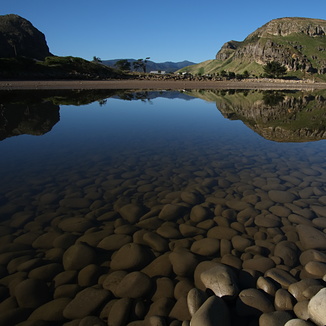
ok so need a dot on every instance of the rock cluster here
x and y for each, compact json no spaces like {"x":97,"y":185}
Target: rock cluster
{"x":182,"y":246}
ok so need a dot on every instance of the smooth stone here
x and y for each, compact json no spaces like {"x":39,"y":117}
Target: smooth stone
{"x":280,"y":211}
{"x":46,"y":272}
{"x":298,"y":322}
{"x":131,"y":212}
{"x":267,"y":221}
{"x":134,"y":285}
{"x":183,"y":261}
{"x":51,"y":311}
{"x":232,"y":261}
{"x":217,"y":277}
{"x":297,"y":289}
{"x":89,"y":275}
{"x":164,"y":288}
{"x":320,"y":222}
{"x":288,"y":252}
{"x":301,"y":309}
{"x":213,"y":312}
{"x":114,"y":242}
{"x":280,"y":196}
{"x":311,"y":291}
{"x":319,"y":210}
{"x":75,"y":224}
{"x":317,"y":308}
{"x":66,"y":291}
{"x":180,"y":310}
{"x":311,"y":238}
{"x":161,"y":307}
{"x":312,"y":255}
{"x":283,"y":300}
{"x":195,"y":299}
{"x":65,"y":277}
{"x":13,"y":317}
{"x":85,"y":303}
{"x":171,"y":212}
{"x":151,"y":223}
{"x":169,"y":230}
{"x":281,"y":276}
{"x":64,"y":241}
{"x":253,"y":302}
{"x":92,"y":321}
{"x":156,"y":242}
{"x":275,"y":318}
{"x":259,"y":263}
{"x":316,"y":268}
{"x":206,"y":247}
{"x":237,"y":205}
{"x":112,"y":281}
{"x":199,"y":213}
{"x":93,"y":236}
{"x":191,"y":198}
{"x":131,"y":256}
{"x":160,"y":266}
{"x":119,"y":313}
{"x":75,"y":202}
{"x":32,"y":293}
{"x":190,"y":231}
{"x":267,"y":285}
{"x":183,"y":287}
{"x":240,"y":243}
{"x":78,"y":256}
{"x":221,"y":232}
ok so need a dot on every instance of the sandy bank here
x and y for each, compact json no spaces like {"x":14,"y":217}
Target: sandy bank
{"x":160,"y":84}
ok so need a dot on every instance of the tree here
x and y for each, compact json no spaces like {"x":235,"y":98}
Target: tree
{"x":123,"y":64}
{"x":274,"y":69}
{"x":140,"y":63}
{"x":96,"y":59}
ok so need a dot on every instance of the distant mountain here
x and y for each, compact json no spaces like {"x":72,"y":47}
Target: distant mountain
{"x":153,"y":66}
{"x":18,"y":37}
{"x":297,"y":43}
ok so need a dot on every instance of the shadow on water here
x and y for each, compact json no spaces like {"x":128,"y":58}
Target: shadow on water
{"x":292,"y":116}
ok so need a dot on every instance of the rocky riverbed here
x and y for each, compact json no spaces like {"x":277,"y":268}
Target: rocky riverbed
{"x":201,"y":237}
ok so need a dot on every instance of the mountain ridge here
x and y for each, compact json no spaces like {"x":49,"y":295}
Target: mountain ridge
{"x":167,"y":66}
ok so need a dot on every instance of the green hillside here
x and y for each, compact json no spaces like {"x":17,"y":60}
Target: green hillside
{"x":297,"y":43}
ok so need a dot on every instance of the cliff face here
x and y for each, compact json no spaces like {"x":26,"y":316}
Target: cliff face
{"x":297,"y":43}
{"x":19,"y":38}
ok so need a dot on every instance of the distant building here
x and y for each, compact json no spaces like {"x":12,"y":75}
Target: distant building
{"x":158,"y":72}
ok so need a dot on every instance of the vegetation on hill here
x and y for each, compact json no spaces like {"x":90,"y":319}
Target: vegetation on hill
{"x":299,"y":44}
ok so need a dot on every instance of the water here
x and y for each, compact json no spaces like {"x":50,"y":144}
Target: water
{"x":151,"y":151}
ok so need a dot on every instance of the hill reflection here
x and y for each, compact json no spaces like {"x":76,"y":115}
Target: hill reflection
{"x":293,"y":116}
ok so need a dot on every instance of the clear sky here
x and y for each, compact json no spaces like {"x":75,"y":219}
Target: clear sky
{"x":170,"y":30}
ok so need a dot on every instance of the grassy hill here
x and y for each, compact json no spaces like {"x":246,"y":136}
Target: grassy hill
{"x":297,"y":43}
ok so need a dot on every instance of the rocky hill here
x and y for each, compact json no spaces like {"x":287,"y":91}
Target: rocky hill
{"x":19,"y":38}
{"x":297,"y":43}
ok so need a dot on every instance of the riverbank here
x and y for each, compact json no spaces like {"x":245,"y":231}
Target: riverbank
{"x":268,"y":84}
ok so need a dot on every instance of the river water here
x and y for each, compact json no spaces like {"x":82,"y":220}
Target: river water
{"x":77,"y":168}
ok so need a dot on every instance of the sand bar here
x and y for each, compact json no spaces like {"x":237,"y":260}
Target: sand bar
{"x":161,"y":84}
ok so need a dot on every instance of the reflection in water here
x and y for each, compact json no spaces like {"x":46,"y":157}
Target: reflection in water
{"x":147,"y":210}
{"x":279,"y":116}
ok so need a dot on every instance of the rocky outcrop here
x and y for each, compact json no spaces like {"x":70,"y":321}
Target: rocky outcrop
{"x":294,"y":42}
{"x":19,"y":38}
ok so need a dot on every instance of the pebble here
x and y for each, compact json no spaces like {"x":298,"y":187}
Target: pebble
{"x":195,"y":299}
{"x":297,"y":289}
{"x":183,"y":261}
{"x":281,"y":277}
{"x":212,"y":312}
{"x":131,"y":256}
{"x":311,"y":238}
{"x":85,"y":303}
{"x":283,"y":300}
{"x":206,"y":247}
{"x":114,"y":242}
{"x":288,"y":252}
{"x":134,"y":285}
{"x":253,"y":302}
{"x":217,"y":277}
{"x":317,"y":308}
{"x":279,"y":196}
{"x":119,"y":313}
{"x":275,"y":318}
{"x":78,"y":256}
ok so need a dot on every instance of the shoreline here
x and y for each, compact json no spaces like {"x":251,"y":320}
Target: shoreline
{"x":160,"y":84}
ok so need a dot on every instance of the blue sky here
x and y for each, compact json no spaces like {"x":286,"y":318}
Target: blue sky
{"x":170,"y":30}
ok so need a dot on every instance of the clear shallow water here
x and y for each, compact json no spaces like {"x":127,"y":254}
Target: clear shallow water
{"x":147,"y":153}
